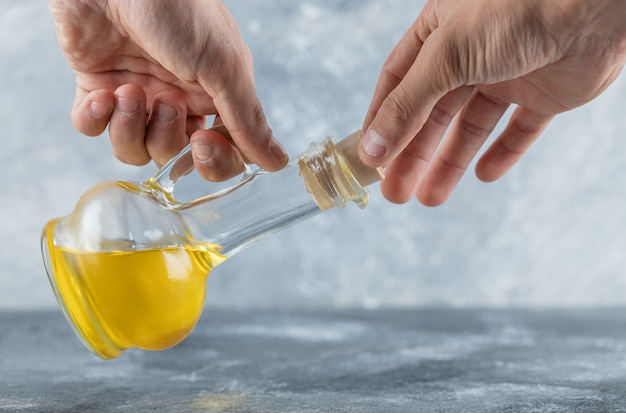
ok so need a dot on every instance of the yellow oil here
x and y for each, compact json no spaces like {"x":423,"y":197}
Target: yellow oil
{"x":148,"y":299}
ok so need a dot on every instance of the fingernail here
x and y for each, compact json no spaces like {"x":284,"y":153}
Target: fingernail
{"x":203,"y":153}
{"x":99,"y":110}
{"x":277,"y":149}
{"x":373,"y":144}
{"x":165,"y":113}
{"x":127,"y":106}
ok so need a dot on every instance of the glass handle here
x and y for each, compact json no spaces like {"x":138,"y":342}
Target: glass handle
{"x":180,"y":165}
{"x":177,"y":167}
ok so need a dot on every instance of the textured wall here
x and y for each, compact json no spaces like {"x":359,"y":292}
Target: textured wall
{"x":548,"y":234}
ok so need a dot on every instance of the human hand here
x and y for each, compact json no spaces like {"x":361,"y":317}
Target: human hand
{"x":470,"y":60}
{"x":152,"y":70}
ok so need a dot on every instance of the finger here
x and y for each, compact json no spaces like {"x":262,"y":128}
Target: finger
{"x":472,"y":127}
{"x":248,"y":127}
{"x":394,"y":70}
{"x":166,"y":130}
{"x":194,"y":123}
{"x":522,"y":131}
{"x":241,"y":111}
{"x":407,"y":107}
{"x":91,"y":111}
{"x":399,"y":62}
{"x":127,"y":126}
{"x":214,"y":157}
{"x":404,"y":172}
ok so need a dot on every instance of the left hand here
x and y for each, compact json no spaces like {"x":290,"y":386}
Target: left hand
{"x":471,"y":59}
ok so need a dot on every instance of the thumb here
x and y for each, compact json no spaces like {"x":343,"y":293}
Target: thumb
{"x":407,"y":107}
{"x":240,"y":110}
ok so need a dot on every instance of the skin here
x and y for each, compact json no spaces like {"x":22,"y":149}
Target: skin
{"x":151,"y":70}
{"x":459,"y":68}
{"x":441,"y":92}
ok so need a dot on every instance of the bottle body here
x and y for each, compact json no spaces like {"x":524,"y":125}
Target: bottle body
{"x":129,"y":265}
{"x":147,"y":298}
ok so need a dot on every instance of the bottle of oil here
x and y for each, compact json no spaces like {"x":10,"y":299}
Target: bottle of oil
{"x":129,"y":265}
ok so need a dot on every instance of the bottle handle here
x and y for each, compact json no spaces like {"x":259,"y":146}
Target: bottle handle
{"x":180,"y":165}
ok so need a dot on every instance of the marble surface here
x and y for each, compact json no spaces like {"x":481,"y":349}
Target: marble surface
{"x":329,"y":361}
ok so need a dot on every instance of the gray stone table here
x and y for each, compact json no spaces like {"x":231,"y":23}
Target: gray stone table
{"x":329,"y":361}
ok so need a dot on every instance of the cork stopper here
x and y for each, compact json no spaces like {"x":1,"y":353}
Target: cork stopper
{"x":348,"y":148}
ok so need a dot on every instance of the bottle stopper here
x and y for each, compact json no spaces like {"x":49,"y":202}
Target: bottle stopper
{"x":348,"y":148}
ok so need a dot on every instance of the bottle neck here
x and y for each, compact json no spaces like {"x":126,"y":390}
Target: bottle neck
{"x":263,"y":203}
{"x":260,"y":205}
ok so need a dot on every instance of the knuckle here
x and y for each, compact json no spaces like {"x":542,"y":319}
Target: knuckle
{"x":252,"y":126}
{"x":440,"y":116}
{"x":396,"y":107}
{"x":131,"y":158}
{"x":473,"y":130}
{"x":258,"y":115}
{"x":526,"y":126}
{"x":86,"y":124}
{"x":218,"y":170}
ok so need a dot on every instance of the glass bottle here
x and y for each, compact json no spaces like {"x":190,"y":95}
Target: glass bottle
{"x":129,"y":265}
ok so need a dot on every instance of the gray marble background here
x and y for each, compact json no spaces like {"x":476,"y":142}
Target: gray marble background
{"x":551,"y":233}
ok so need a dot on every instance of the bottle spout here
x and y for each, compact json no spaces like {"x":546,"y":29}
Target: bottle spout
{"x":348,"y":149}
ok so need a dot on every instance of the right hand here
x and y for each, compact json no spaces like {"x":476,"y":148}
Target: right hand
{"x":152,"y":70}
